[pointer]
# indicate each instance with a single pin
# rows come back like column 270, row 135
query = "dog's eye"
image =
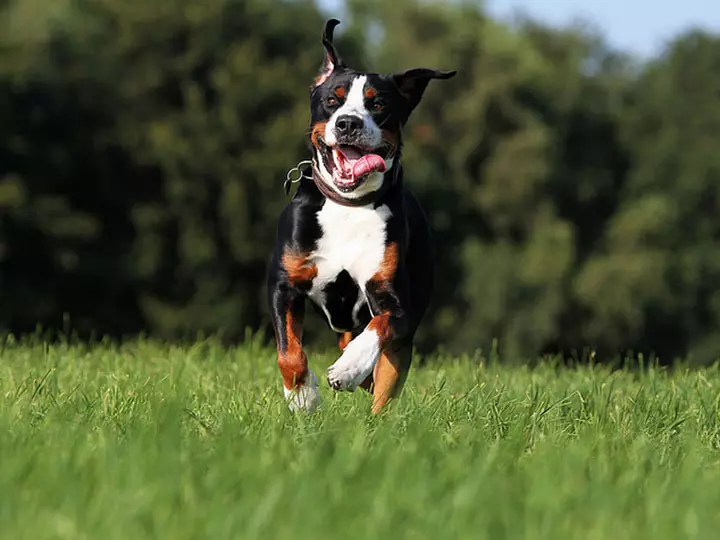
column 377, row 105
column 332, row 101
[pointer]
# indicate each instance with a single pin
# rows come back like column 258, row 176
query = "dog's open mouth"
column 350, row 165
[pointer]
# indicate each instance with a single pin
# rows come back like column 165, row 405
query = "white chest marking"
column 353, row 239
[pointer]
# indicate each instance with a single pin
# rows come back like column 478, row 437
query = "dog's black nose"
column 348, row 124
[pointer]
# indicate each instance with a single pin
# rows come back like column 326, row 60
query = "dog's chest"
column 353, row 239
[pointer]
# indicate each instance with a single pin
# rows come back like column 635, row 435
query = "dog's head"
column 357, row 118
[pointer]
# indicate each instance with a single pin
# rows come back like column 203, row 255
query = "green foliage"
column 155, row 441
column 660, row 250
column 573, row 194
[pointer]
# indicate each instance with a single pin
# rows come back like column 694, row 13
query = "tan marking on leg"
column 293, row 362
column 388, row 266
column 298, row 268
column 344, row 339
column 389, row 373
column 386, row 375
column 381, row 325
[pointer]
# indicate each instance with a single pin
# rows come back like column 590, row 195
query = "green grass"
column 152, row 441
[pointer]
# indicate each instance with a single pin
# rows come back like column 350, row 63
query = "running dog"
column 353, row 239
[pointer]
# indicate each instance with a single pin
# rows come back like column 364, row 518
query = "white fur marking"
column 356, row 362
column 306, row 397
column 373, row 183
column 352, row 239
column 361, row 299
column 355, row 106
column 371, row 137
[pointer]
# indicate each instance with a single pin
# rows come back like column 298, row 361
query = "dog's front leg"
column 383, row 349
column 287, row 306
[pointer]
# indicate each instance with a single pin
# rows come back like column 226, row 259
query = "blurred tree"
column 64, row 227
column 653, row 283
column 146, row 148
column 213, row 96
column 572, row 193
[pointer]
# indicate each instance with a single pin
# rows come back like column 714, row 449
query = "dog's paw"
column 356, row 362
column 306, row 397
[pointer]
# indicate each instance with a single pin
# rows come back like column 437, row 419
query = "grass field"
column 151, row 441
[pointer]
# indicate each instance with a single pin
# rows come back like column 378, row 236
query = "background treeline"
column 574, row 193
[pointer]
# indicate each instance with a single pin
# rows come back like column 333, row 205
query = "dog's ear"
column 412, row 83
column 332, row 58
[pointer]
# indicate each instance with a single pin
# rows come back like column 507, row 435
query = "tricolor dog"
column 353, row 239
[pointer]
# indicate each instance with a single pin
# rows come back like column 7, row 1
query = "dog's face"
column 357, row 119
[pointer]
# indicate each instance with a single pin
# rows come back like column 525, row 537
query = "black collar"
column 370, row 198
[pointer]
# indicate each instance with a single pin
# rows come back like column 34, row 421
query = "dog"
column 353, row 239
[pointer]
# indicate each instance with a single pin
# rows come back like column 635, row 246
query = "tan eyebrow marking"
column 370, row 93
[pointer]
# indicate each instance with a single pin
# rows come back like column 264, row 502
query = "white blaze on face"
column 354, row 105
column 371, row 137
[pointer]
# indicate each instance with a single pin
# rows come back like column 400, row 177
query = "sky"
column 639, row 27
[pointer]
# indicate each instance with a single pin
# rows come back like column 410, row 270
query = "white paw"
column 356, row 363
column 306, row 397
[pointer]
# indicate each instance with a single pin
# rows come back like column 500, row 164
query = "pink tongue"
column 368, row 163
